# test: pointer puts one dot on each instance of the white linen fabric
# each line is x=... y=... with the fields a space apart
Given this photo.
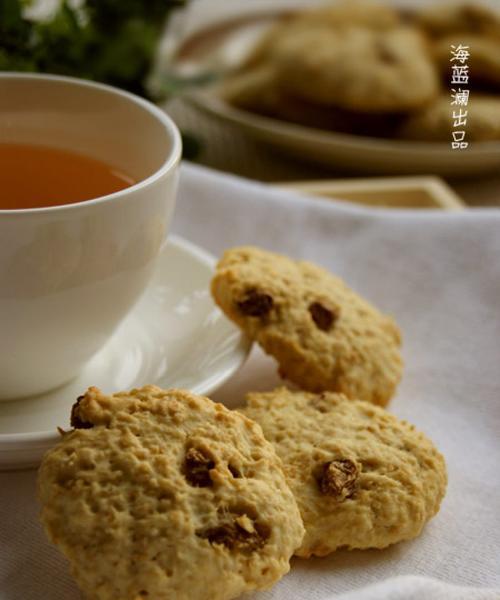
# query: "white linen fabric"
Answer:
x=439 y=275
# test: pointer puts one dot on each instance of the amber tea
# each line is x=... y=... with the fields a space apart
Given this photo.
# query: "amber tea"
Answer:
x=39 y=176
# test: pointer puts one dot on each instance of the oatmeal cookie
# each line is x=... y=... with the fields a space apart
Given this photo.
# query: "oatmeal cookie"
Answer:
x=257 y=90
x=362 y=478
x=441 y=19
x=435 y=123
x=359 y=69
x=163 y=494
x=483 y=62
x=323 y=335
x=359 y=13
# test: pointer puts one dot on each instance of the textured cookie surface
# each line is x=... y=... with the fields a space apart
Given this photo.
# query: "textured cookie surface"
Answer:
x=323 y=335
x=162 y=494
x=359 y=69
x=361 y=477
x=348 y=13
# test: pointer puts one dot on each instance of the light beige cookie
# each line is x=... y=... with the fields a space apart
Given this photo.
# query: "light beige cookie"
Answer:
x=483 y=61
x=323 y=335
x=441 y=19
x=435 y=123
x=362 y=478
x=255 y=91
x=359 y=69
x=359 y=13
x=163 y=494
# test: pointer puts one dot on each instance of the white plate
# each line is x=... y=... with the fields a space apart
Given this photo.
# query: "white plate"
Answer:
x=220 y=41
x=174 y=337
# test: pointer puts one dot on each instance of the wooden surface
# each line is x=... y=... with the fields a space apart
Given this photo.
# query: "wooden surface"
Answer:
x=384 y=192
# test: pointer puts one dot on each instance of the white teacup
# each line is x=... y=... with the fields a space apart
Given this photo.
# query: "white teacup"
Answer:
x=69 y=274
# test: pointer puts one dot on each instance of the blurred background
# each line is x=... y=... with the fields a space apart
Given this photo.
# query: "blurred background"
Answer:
x=325 y=96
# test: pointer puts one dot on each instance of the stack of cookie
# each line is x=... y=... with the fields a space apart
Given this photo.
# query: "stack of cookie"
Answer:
x=366 y=68
x=361 y=477
x=162 y=494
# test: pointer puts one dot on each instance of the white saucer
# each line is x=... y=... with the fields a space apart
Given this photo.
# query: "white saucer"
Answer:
x=174 y=337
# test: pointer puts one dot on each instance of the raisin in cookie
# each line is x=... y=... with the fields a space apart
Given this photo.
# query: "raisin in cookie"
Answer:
x=323 y=335
x=163 y=494
x=359 y=69
x=362 y=478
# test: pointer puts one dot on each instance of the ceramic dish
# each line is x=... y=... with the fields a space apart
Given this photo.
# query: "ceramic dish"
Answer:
x=174 y=337
x=220 y=44
x=354 y=152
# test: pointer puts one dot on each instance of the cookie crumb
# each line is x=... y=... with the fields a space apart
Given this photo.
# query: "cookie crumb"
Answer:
x=255 y=304
x=323 y=317
x=197 y=467
x=338 y=478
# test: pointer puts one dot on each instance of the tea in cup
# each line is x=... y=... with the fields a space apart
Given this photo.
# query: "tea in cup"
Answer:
x=88 y=180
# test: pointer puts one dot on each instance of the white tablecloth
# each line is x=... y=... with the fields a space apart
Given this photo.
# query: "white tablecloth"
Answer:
x=439 y=274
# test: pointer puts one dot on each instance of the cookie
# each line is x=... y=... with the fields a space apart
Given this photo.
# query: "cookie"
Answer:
x=163 y=494
x=256 y=90
x=364 y=13
x=483 y=62
x=323 y=335
x=362 y=478
x=442 y=19
x=435 y=123
x=359 y=69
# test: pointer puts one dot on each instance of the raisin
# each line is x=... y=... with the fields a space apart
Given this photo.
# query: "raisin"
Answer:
x=197 y=466
x=76 y=421
x=338 y=478
x=234 y=471
x=234 y=537
x=323 y=317
x=255 y=304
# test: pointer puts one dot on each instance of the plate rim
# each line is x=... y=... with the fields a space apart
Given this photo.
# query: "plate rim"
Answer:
x=38 y=440
x=208 y=101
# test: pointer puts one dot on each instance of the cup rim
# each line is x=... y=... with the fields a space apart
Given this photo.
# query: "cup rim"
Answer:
x=172 y=159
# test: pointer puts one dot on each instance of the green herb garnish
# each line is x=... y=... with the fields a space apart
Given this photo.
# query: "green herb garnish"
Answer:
x=113 y=41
